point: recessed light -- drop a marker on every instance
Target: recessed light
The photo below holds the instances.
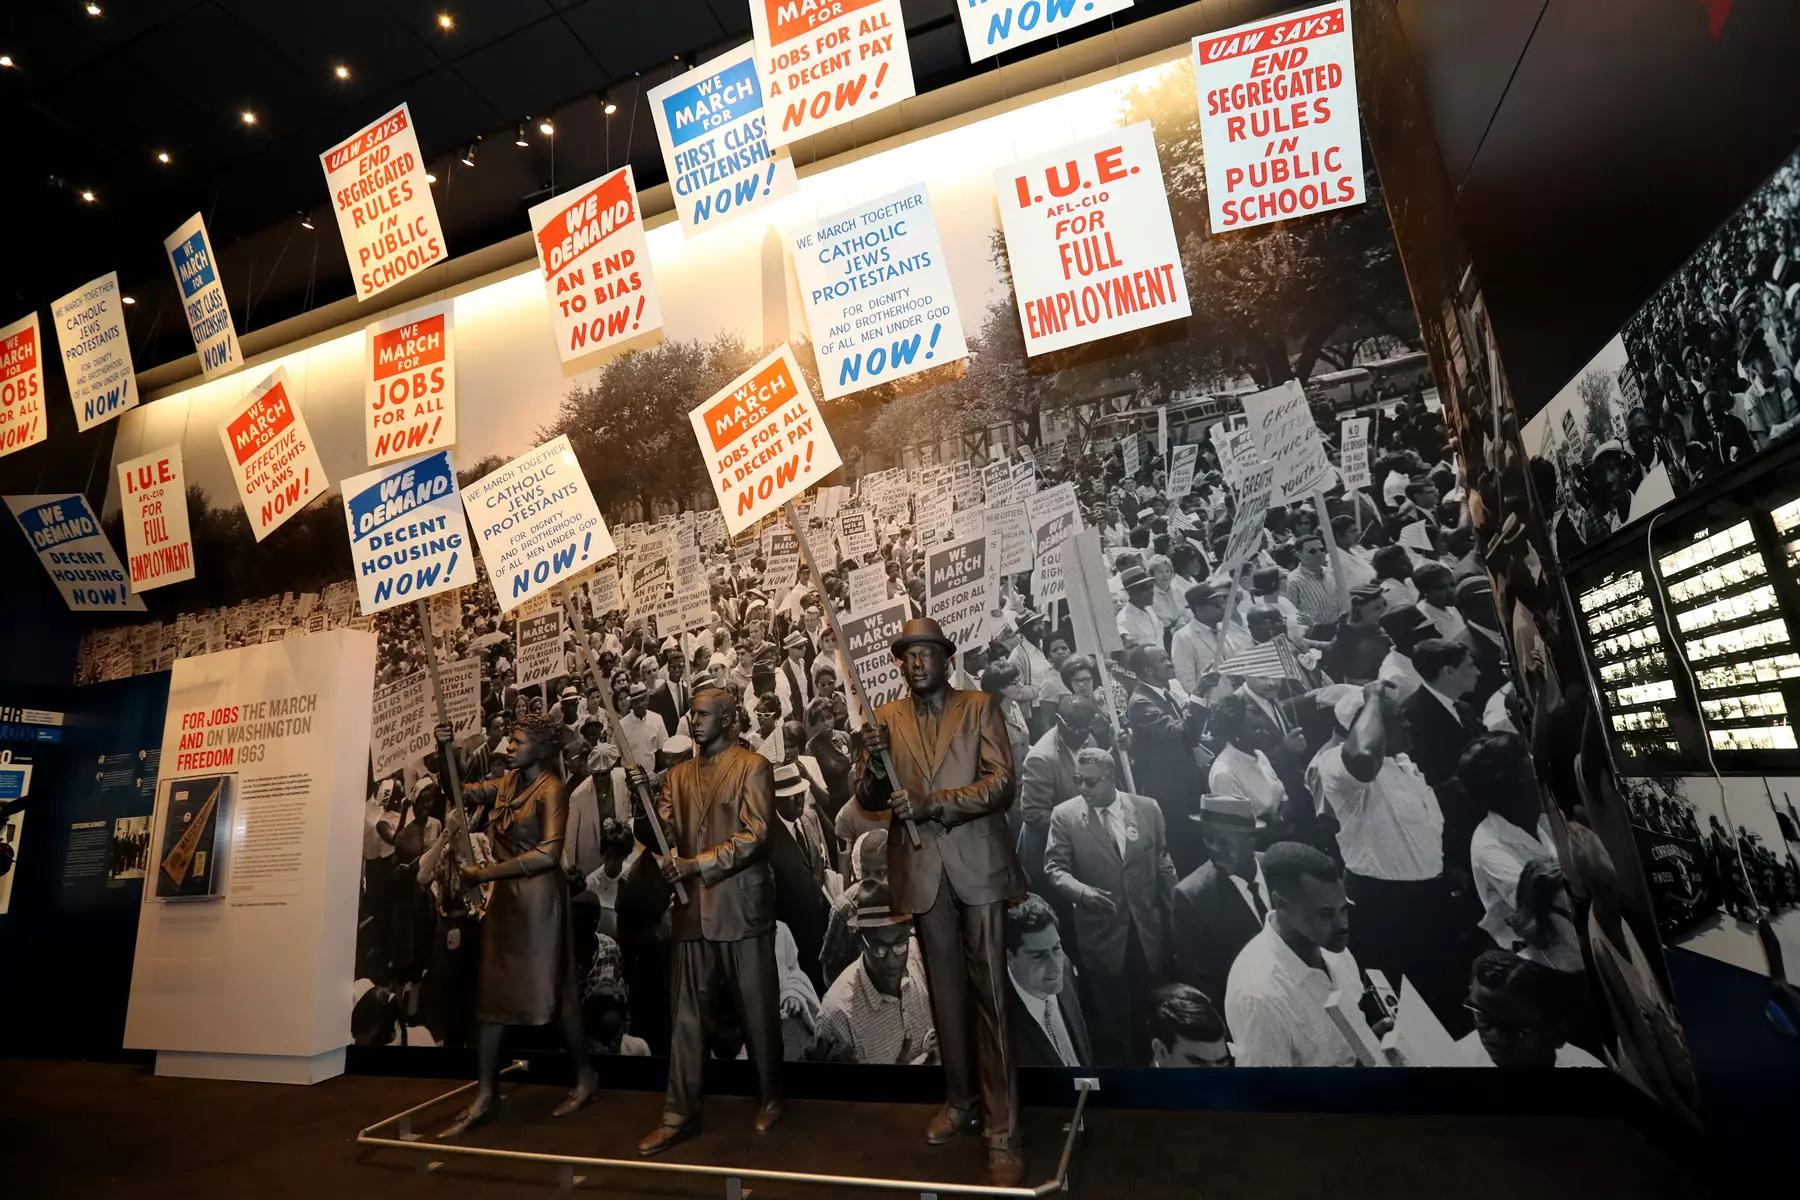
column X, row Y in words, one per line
column 248, row 117
column 546, row 128
column 88, row 196
column 446, row 21
column 610, row 108
column 127, row 299
column 430, row 178
column 93, row 10
column 341, row 71
column 6, row 60
column 162, row 156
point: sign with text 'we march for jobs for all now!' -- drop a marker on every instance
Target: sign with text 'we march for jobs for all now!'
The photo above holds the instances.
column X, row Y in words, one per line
column 715, row 142
column 877, row 292
column 409, row 383
column 990, row 26
column 590, row 246
column 536, row 522
column 1090, row 242
column 763, row 440
column 203, row 297
column 22, row 421
column 159, row 545
column 90, row 332
column 408, row 539
column 385, row 213
column 825, row 62
column 1278, row 120
column 66, row 535
column 273, row 458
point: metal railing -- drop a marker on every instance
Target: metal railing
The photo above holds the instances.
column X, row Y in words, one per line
column 434, row 1153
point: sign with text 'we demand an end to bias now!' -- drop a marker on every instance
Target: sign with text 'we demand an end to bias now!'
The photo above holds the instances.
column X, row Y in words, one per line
column 825, row 62
column 385, row 213
column 596, row 264
column 409, row 383
column 715, row 142
column 536, row 522
column 408, row 538
column 273, row 458
column 763, row 440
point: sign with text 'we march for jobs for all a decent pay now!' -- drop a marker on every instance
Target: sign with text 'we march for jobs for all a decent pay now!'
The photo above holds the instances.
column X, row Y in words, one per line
column 273, row 457
column 1090, row 242
column 66, row 535
column 385, row 213
column 990, row 26
column 22, row 420
column 1278, row 120
column 408, row 538
column 90, row 331
column 877, row 292
column 763, row 440
column 596, row 264
column 409, row 383
column 715, row 142
column 825, row 62
column 203, row 297
column 536, row 522
column 159, row 545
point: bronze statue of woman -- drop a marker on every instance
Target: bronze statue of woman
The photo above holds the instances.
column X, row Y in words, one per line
column 526, row 974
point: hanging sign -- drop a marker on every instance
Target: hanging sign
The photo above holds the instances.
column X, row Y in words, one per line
column 159, row 547
column 536, row 522
column 990, row 26
column 590, row 246
column 763, row 440
column 81, row 562
column 1278, row 118
column 90, row 332
column 409, row 383
column 203, row 298
column 1089, row 240
column 824, row 62
column 273, row 458
column 22, row 421
column 715, row 143
column 385, row 213
column 408, row 539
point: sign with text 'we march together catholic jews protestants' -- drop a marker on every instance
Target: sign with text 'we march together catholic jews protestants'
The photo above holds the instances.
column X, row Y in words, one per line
column 408, row 538
column 824, row 62
column 1278, row 121
column 273, row 458
column 22, row 421
column 590, row 245
column 536, row 522
column 409, row 383
column 1089, row 240
column 66, row 535
column 203, row 297
column 159, row 546
column 90, row 332
column 763, row 440
column 715, row 142
column 990, row 26
column 877, row 292
column 385, row 213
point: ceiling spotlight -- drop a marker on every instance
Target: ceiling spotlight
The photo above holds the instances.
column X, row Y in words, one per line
column 305, row 220
column 6, row 60
column 162, row 156
column 546, row 128
column 446, row 21
column 128, row 299
column 468, row 158
column 520, row 139
column 430, row 178
column 341, row 71
column 610, row 108
column 93, row 10
column 88, row 196
column 248, row 117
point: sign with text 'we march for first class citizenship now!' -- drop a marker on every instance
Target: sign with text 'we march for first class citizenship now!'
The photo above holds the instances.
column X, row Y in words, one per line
column 409, row 383
column 824, row 62
column 408, row 539
column 90, row 332
column 159, row 546
column 1090, row 242
column 877, row 293
column 203, row 297
column 273, row 458
column 1278, row 119
column 385, row 213
column 590, row 246
column 22, row 420
column 990, row 26
column 66, row 535
column 536, row 522
column 715, row 142
column 763, row 440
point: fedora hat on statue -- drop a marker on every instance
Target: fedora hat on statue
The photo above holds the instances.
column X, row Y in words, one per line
column 921, row 629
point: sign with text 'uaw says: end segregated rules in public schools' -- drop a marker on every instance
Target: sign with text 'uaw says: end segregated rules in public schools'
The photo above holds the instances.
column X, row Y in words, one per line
column 385, row 213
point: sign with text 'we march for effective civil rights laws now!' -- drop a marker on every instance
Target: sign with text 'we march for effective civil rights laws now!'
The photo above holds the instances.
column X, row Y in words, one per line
column 90, row 332
column 203, row 297
column 763, row 440
column 408, row 539
column 409, row 383
column 1089, row 239
column 824, row 62
column 536, row 522
column 715, row 142
column 66, row 535
column 590, row 246
column 990, row 26
column 22, row 420
column 273, row 458
column 159, row 546
column 385, row 213
column 1278, row 120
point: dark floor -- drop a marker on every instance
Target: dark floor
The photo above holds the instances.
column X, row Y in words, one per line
column 90, row 1129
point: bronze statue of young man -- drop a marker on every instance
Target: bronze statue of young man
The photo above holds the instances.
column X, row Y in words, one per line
column 717, row 809
column 955, row 768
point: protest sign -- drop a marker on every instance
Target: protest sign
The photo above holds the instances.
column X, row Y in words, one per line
column 90, row 332
column 203, row 298
column 1048, row 583
column 590, row 246
column 159, row 547
column 536, row 522
column 959, row 589
column 1024, row 480
column 868, row 638
column 1281, row 422
column 877, row 292
column 964, row 484
column 81, row 562
column 824, row 62
column 1278, row 119
column 385, row 213
column 540, row 648
column 1132, row 453
column 1353, row 451
column 990, row 26
column 1010, row 528
column 446, row 612
column 715, row 143
column 1089, row 240
column 1254, row 496
column 1053, row 515
column 1181, row 470
column 996, row 483
column 409, row 383
column 603, row 592
column 934, row 515
column 408, row 538
column 763, row 439
column 22, row 420
column 402, row 716
column 868, row 587
column 273, row 458
column 856, row 532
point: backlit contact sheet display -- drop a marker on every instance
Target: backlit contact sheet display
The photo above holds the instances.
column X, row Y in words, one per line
column 1632, row 666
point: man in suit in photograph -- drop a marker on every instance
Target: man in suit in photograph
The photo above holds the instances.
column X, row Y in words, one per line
column 1440, row 725
column 669, row 698
column 1223, row 904
column 1041, row 1005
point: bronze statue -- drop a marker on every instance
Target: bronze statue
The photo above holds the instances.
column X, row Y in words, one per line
column 527, row 970
column 950, row 750
column 717, row 809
